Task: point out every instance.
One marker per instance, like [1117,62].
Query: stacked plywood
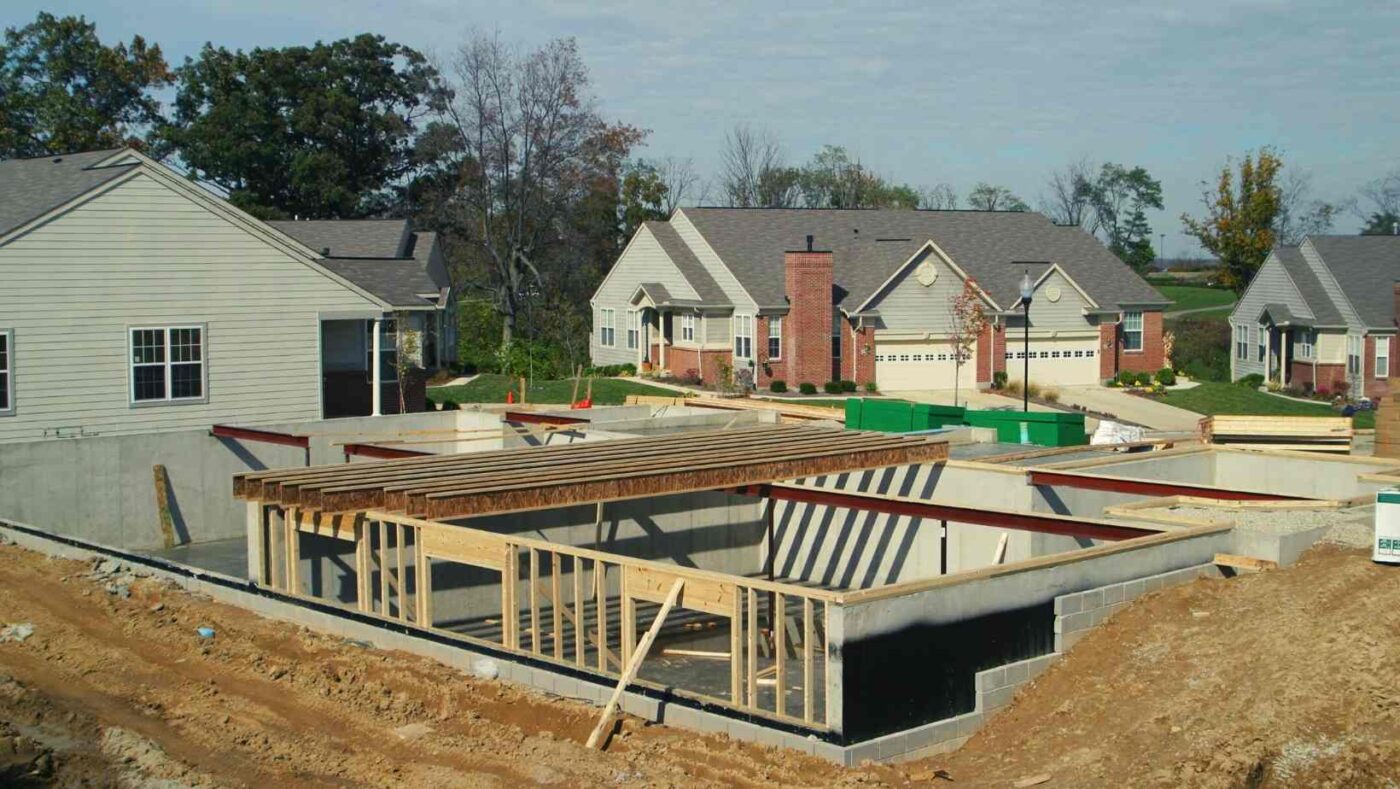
[1388,428]
[1306,433]
[789,412]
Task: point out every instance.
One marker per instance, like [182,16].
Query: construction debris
[1301,433]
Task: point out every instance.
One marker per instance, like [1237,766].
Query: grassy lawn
[492,389]
[1190,297]
[1217,398]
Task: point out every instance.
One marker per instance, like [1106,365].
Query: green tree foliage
[832,179]
[1381,223]
[643,197]
[319,132]
[1238,226]
[988,197]
[1119,197]
[62,90]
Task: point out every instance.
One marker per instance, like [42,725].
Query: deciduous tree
[1238,226]
[966,320]
[1299,214]
[988,197]
[1119,197]
[62,90]
[318,132]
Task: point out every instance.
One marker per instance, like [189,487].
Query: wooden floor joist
[555,476]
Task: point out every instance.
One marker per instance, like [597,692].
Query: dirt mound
[1284,678]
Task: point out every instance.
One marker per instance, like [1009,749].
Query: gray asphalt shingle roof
[30,188]
[868,246]
[1325,313]
[381,256]
[1366,268]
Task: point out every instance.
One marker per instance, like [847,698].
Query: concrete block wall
[1077,614]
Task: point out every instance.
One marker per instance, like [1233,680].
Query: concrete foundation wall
[102,487]
[1189,468]
[1316,476]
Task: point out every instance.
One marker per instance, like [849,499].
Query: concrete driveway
[1131,408]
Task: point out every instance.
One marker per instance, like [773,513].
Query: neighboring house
[136,301]
[1321,316]
[808,296]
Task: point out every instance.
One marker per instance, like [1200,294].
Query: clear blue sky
[923,92]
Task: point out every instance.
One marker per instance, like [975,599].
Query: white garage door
[921,365]
[1063,362]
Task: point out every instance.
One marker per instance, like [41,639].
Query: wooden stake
[534,601]
[736,650]
[809,635]
[780,650]
[383,568]
[752,637]
[400,575]
[1000,554]
[600,580]
[580,632]
[595,739]
[556,604]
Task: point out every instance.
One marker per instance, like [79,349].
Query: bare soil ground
[1282,678]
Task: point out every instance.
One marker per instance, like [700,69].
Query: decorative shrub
[807,388]
[1050,395]
[612,370]
[999,379]
[450,405]
[1126,378]
[1253,380]
[848,386]
[1166,376]
[870,387]
[777,386]
[832,387]
[1143,379]
[691,377]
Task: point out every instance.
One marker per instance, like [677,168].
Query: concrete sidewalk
[1131,408]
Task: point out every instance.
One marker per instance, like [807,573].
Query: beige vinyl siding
[712,263]
[906,305]
[643,261]
[718,331]
[1271,285]
[144,254]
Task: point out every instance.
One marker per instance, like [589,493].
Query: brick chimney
[807,327]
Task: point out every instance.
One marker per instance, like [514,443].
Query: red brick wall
[1113,358]
[985,353]
[769,370]
[999,349]
[807,328]
[1376,388]
[864,355]
[706,362]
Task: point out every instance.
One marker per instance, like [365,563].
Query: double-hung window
[1354,346]
[1382,356]
[388,350]
[1307,343]
[7,372]
[775,337]
[743,336]
[167,364]
[1242,343]
[688,327]
[607,329]
[1132,331]
[634,329]
[1261,338]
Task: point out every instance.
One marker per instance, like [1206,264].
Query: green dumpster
[1045,428]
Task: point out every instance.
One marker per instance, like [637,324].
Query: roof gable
[869,247]
[1365,268]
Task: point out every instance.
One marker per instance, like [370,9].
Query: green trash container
[1045,428]
[930,417]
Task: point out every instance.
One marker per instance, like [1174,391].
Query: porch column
[661,340]
[1268,353]
[374,382]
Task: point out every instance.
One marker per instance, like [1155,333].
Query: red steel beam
[382,453]
[265,436]
[1148,488]
[527,417]
[1022,521]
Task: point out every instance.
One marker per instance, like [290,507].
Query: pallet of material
[1299,433]
[788,411]
[1388,428]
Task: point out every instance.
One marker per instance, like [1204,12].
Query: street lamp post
[1027,287]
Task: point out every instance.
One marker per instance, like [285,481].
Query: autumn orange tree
[967,318]
[1238,226]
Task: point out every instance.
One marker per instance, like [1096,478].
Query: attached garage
[1059,361]
[904,365]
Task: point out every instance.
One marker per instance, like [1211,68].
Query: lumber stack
[1388,428]
[789,412]
[1299,433]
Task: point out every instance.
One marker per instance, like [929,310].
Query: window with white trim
[775,337]
[1382,357]
[167,364]
[1354,348]
[7,371]
[688,327]
[743,336]
[1260,336]
[1307,343]
[1242,342]
[388,351]
[1132,331]
[634,329]
[607,329]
